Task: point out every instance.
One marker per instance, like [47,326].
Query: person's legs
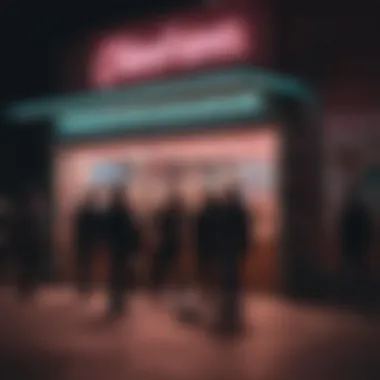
[84,270]
[363,277]
[230,313]
[206,279]
[177,278]
[184,292]
[125,280]
[23,277]
[117,283]
[36,267]
[161,268]
[27,274]
[352,273]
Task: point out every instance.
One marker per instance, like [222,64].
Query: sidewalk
[61,337]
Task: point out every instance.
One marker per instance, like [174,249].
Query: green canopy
[229,95]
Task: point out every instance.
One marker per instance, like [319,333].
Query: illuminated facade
[165,93]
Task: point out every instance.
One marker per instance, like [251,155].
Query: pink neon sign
[183,44]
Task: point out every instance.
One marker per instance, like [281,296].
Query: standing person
[234,235]
[122,242]
[356,234]
[30,240]
[89,233]
[169,224]
[207,246]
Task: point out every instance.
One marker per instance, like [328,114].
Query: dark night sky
[313,36]
[33,30]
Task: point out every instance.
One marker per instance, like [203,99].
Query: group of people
[221,231]
[219,234]
[113,228]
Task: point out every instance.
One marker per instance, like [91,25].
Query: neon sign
[183,44]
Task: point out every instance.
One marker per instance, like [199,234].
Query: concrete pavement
[59,336]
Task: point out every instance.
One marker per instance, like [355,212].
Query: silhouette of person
[207,244]
[89,234]
[122,243]
[30,241]
[356,234]
[233,224]
[169,224]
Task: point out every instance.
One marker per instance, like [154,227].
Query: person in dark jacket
[222,240]
[169,224]
[122,243]
[356,235]
[233,226]
[207,245]
[30,241]
[89,234]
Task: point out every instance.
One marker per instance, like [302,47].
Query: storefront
[210,112]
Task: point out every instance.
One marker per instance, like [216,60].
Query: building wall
[85,60]
[351,123]
[334,47]
[75,164]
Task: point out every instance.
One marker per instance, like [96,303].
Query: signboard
[205,38]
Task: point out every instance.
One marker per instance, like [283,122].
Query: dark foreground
[61,337]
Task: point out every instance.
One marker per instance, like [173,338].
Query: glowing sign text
[180,45]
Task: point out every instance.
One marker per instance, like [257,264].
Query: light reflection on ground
[283,341]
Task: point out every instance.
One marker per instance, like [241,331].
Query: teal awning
[211,110]
[216,97]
